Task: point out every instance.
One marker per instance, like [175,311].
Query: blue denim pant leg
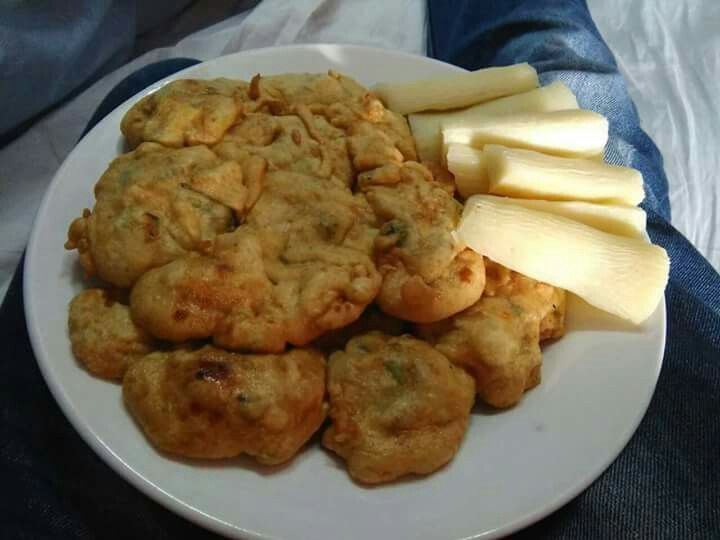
[666,483]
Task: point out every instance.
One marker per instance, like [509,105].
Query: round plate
[513,468]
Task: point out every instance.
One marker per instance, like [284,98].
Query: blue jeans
[666,484]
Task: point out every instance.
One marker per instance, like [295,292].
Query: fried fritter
[185,112]
[298,268]
[156,204]
[287,144]
[214,404]
[103,336]
[307,88]
[343,103]
[498,338]
[542,300]
[397,406]
[427,274]
[320,125]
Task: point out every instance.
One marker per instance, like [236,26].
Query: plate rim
[167,499]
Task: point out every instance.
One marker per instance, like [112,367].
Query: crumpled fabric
[669,55]
[47,52]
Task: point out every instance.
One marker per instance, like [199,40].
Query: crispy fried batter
[185,112]
[311,88]
[103,336]
[286,144]
[154,205]
[211,403]
[320,125]
[540,299]
[427,274]
[397,406]
[498,338]
[299,267]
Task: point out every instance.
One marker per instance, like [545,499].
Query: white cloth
[669,52]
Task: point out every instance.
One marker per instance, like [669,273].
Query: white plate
[513,468]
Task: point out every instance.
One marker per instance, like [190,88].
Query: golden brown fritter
[298,268]
[185,112]
[427,274]
[542,300]
[316,124]
[156,204]
[103,336]
[307,88]
[397,407]
[214,404]
[286,144]
[498,338]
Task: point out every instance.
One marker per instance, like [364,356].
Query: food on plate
[185,112]
[497,340]
[623,276]
[526,174]
[300,266]
[104,338]
[426,126]
[469,167]
[258,226]
[455,91]
[611,218]
[211,403]
[397,407]
[153,205]
[571,133]
[427,274]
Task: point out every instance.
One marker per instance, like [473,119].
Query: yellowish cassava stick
[426,126]
[610,218]
[469,169]
[623,276]
[571,133]
[527,174]
[457,90]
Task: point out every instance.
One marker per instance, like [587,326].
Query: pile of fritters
[274,254]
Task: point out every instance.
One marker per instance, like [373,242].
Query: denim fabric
[55,49]
[52,48]
[666,484]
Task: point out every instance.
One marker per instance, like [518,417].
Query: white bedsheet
[669,53]
[668,50]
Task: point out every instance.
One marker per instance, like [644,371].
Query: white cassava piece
[569,133]
[457,91]
[623,276]
[532,175]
